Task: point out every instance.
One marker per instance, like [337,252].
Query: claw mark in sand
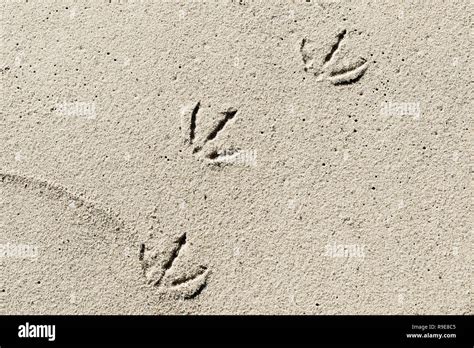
[334,48]
[185,279]
[142,252]
[228,115]
[307,58]
[350,74]
[174,254]
[196,283]
[192,127]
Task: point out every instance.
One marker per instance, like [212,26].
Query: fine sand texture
[236,157]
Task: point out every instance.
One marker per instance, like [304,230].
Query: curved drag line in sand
[98,216]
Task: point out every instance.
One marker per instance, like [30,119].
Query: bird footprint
[347,74]
[199,144]
[158,269]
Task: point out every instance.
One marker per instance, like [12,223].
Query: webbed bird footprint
[336,66]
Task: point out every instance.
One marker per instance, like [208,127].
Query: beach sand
[236,157]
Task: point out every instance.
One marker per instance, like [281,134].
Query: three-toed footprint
[331,67]
[158,265]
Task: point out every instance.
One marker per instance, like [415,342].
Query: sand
[236,157]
